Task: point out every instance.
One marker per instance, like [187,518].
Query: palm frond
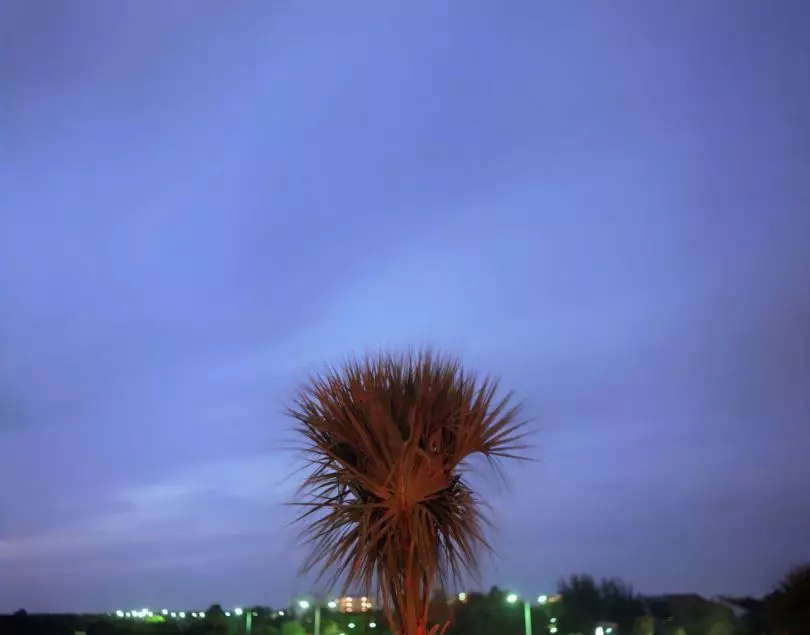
[385,503]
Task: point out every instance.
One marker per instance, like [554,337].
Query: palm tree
[385,504]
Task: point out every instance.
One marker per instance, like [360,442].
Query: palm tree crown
[387,441]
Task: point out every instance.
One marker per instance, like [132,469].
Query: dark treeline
[582,605]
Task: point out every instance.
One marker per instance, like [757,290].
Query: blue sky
[200,202]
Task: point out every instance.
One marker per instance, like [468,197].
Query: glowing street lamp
[119,614]
[332,605]
[513,598]
[373,625]
[304,606]
[462,597]
[165,611]
[238,611]
[351,624]
[543,599]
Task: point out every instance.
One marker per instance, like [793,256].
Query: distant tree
[486,615]
[585,603]
[619,604]
[292,627]
[787,609]
[581,606]
[644,625]
[263,622]
[215,623]
[329,627]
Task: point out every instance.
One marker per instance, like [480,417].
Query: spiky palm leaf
[385,502]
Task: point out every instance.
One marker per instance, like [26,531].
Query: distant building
[352,604]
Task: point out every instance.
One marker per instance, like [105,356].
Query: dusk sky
[605,203]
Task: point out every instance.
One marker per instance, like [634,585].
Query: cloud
[199,503]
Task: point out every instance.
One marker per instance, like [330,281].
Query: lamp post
[248,618]
[304,605]
[513,598]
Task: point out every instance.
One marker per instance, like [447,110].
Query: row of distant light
[304,605]
[511,598]
[144,613]
[332,604]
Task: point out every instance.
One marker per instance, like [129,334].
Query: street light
[462,597]
[332,604]
[543,599]
[513,598]
[373,625]
[248,619]
[316,630]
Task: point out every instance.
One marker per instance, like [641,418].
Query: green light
[512,598]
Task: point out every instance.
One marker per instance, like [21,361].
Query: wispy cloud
[199,502]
